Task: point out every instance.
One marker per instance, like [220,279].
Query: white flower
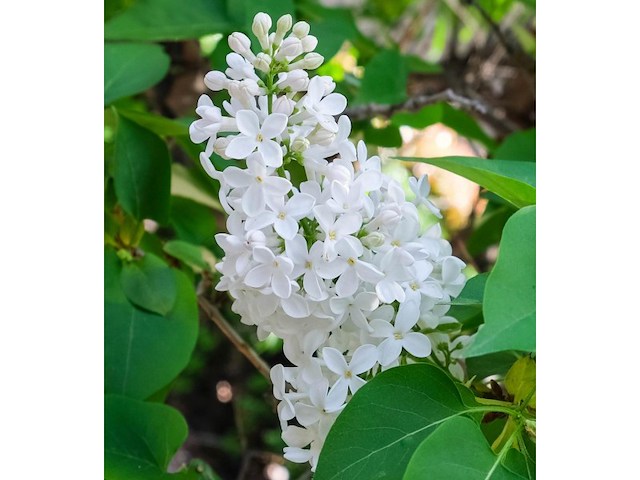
[259,184]
[324,108]
[283,216]
[349,269]
[306,263]
[399,335]
[253,136]
[335,229]
[422,188]
[356,309]
[271,270]
[362,360]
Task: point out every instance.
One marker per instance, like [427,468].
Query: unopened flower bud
[309,43]
[300,144]
[262,62]
[322,136]
[301,29]
[296,80]
[260,28]
[283,104]
[240,43]
[282,27]
[373,240]
[216,81]
[290,48]
[220,145]
[311,61]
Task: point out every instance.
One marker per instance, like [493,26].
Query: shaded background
[423,78]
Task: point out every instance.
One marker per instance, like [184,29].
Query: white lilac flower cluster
[334,265]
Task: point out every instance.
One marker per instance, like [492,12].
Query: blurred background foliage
[424,78]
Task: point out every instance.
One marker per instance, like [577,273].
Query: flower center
[259,179]
[414,286]
[396,243]
[308,265]
[351,261]
[281,215]
[332,235]
[259,137]
[276,264]
[398,336]
[348,374]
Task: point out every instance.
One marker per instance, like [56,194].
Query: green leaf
[332,27]
[510,293]
[521,380]
[188,253]
[131,68]
[468,305]
[185,184]
[159,125]
[142,172]
[384,137]
[489,231]
[460,121]
[160,20]
[145,351]
[385,422]
[149,283]
[520,146]
[193,222]
[385,79]
[457,450]
[497,363]
[513,181]
[140,438]
[418,65]
[243,11]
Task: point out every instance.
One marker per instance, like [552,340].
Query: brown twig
[243,347]
[414,103]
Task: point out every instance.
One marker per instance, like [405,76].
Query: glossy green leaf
[520,146]
[184,183]
[159,125]
[458,120]
[384,137]
[457,450]
[385,79]
[467,307]
[489,230]
[131,68]
[193,222]
[386,420]
[140,438]
[521,380]
[168,20]
[497,363]
[145,351]
[510,293]
[513,181]
[192,255]
[142,172]
[150,284]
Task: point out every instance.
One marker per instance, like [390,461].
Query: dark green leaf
[384,137]
[513,181]
[161,126]
[386,420]
[519,146]
[418,65]
[149,283]
[131,68]
[497,363]
[188,253]
[510,293]
[143,172]
[193,222]
[168,20]
[185,183]
[145,351]
[243,11]
[489,231]
[140,438]
[468,308]
[457,450]
[332,27]
[385,79]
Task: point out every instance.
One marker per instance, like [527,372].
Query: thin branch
[415,103]
[494,27]
[243,347]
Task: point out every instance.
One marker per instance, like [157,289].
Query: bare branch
[243,347]
[371,110]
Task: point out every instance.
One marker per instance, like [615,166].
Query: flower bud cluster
[334,264]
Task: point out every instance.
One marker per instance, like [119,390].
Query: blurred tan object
[458,195]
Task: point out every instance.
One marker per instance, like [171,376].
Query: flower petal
[248,123]
[363,359]
[300,205]
[240,147]
[286,228]
[253,200]
[407,317]
[258,276]
[274,125]
[271,152]
[334,360]
[389,350]
[417,344]
[236,177]
[347,283]
[281,285]
[333,104]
